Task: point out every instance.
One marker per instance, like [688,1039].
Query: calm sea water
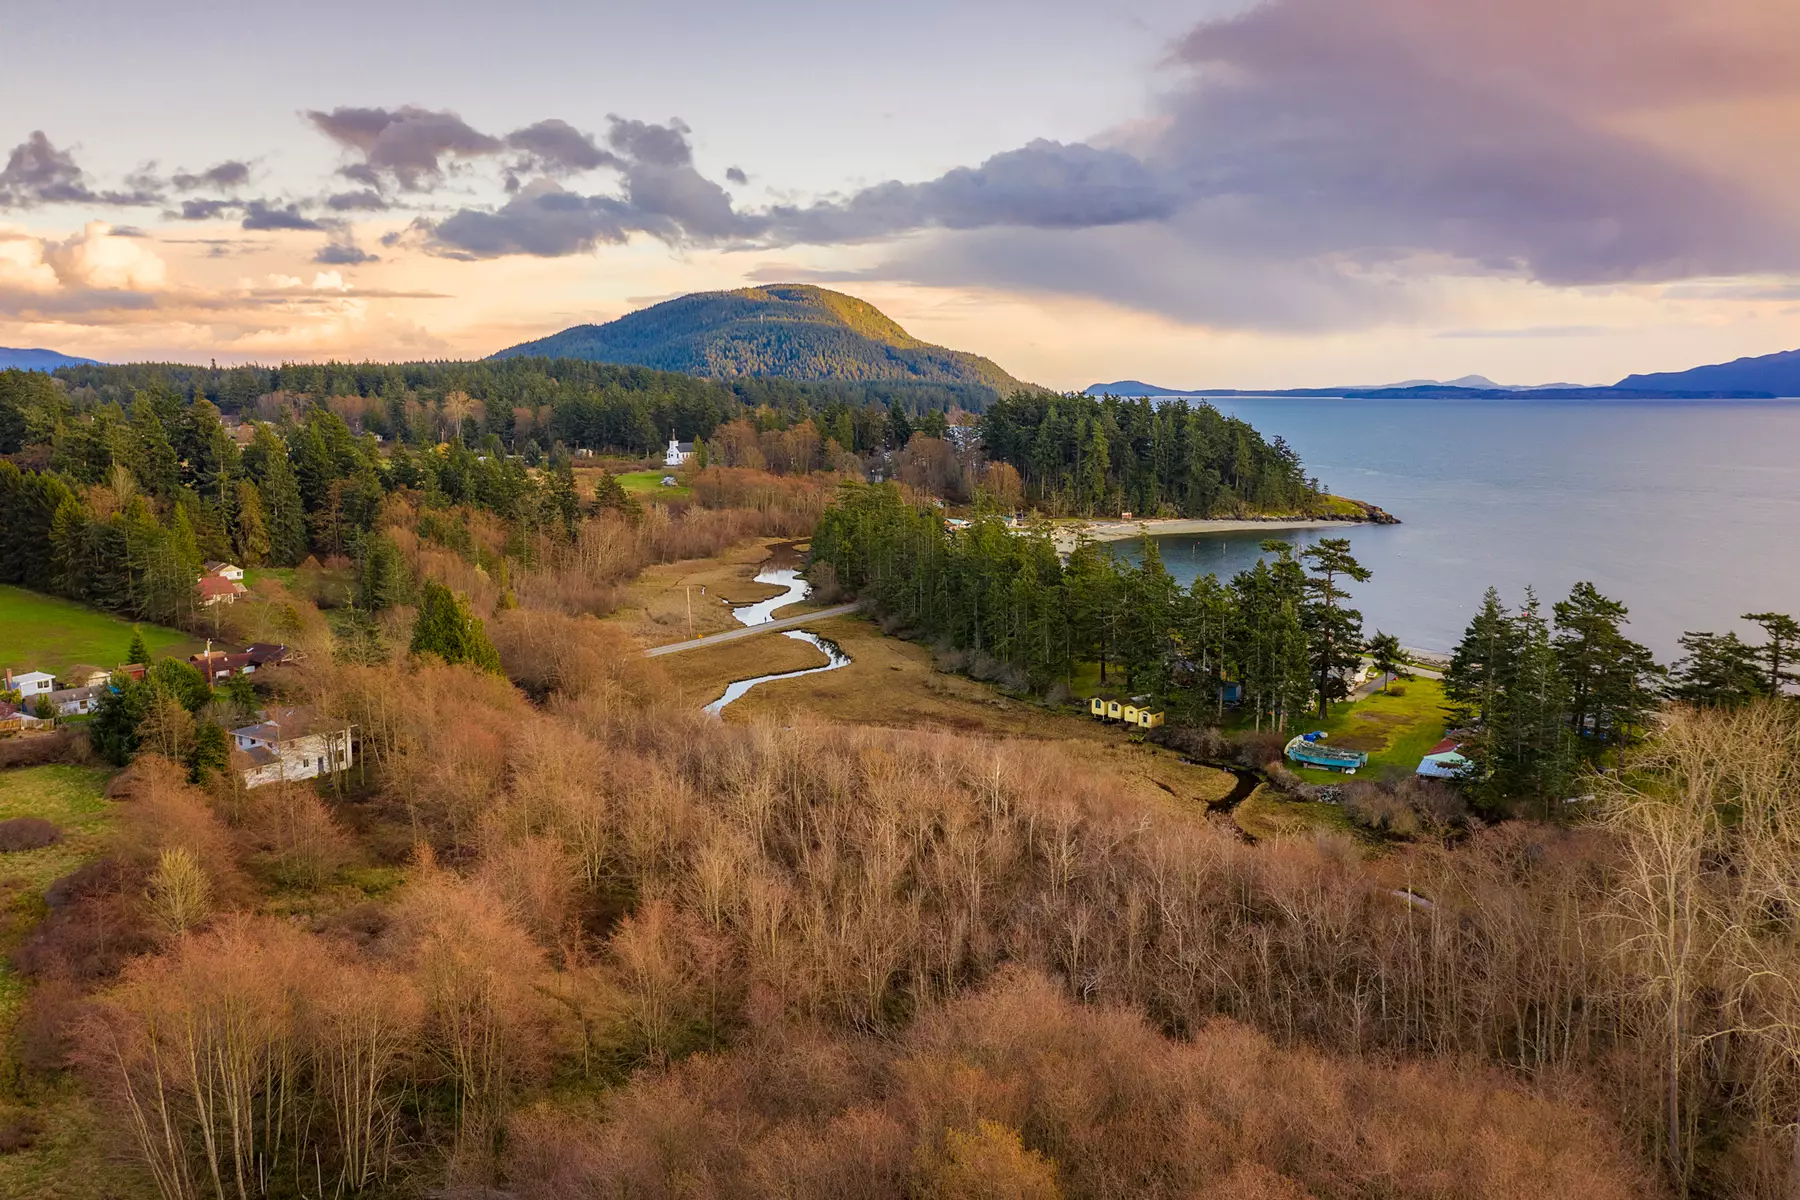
[1688,512]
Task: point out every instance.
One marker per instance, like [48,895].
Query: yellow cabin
[1147,719]
[1130,714]
[1097,706]
[1114,710]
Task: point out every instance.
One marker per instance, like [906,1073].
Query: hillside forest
[560,935]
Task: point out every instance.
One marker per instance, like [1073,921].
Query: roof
[215,565]
[218,660]
[18,675]
[1444,747]
[218,585]
[262,653]
[280,724]
[77,693]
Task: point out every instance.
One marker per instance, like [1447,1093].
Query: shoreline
[1066,535]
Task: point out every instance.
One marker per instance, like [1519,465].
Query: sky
[1209,193]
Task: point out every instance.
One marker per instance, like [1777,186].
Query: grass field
[44,633]
[894,683]
[1396,729]
[657,604]
[1262,816]
[650,483]
[64,1162]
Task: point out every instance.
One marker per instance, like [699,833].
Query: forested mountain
[791,330]
[1773,374]
[37,360]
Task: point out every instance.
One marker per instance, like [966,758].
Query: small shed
[1097,706]
[1114,710]
[1443,761]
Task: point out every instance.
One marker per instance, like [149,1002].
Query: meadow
[44,633]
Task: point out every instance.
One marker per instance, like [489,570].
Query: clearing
[44,633]
[894,683]
[672,601]
[1396,728]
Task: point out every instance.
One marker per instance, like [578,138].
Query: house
[216,589]
[1443,762]
[75,701]
[215,665]
[83,676]
[224,570]
[677,453]
[293,743]
[267,654]
[29,684]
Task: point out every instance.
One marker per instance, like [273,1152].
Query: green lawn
[1396,729]
[43,633]
[66,1162]
[649,483]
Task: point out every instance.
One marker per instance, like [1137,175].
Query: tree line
[1085,455]
[1282,630]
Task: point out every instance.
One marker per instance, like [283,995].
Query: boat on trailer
[1310,750]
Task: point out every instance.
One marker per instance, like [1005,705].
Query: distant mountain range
[1767,377]
[793,331]
[38,360]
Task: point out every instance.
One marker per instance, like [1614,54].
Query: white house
[225,570]
[677,453]
[75,701]
[30,685]
[292,743]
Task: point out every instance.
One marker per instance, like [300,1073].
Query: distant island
[38,360]
[793,331]
[1764,378]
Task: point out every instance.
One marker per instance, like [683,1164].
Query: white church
[677,453]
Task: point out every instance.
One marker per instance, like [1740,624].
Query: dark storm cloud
[736,175]
[264,214]
[226,175]
[38,173]
[556,147]
[409,145]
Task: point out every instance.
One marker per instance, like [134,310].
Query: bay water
[1686,511]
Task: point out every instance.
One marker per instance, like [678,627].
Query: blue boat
[1309,750]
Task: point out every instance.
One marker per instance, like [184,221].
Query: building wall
[305,758]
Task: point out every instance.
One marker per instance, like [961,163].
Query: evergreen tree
[1526,750]
[1610,678]
[139,652]
[447,629]
[1777,653]
[1333,629]
[113,728]
[210,753]
[1148,614]
[1717,671]
[1482,663]
[1389,658]
[381,579]
[250,541]
[283,510]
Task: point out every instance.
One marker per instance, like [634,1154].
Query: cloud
[659,145]
[98,258]
[1356,148]
[342,251]
[227,175]
[367,200]
[542,220]
[556,147]
[736,175]
[206,210]
[264,214]
[38,173]
[408,145]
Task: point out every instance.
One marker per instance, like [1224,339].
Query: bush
[27,833]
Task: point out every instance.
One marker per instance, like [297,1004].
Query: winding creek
[797,589]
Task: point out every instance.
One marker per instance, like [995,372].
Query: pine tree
[139,651]
[447,629]
[1333,629]
[1526,750]
[1389,658]
[1777,653]
[381,580]
[1717,671]
[210,753]
[1482,663]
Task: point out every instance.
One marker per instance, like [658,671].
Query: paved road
[732,635]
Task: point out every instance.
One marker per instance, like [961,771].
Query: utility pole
[689,589]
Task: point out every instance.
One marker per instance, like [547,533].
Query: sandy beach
[1119,531]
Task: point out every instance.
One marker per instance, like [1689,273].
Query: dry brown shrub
[27,833]
[535,878]
[167,813]
[295,830]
